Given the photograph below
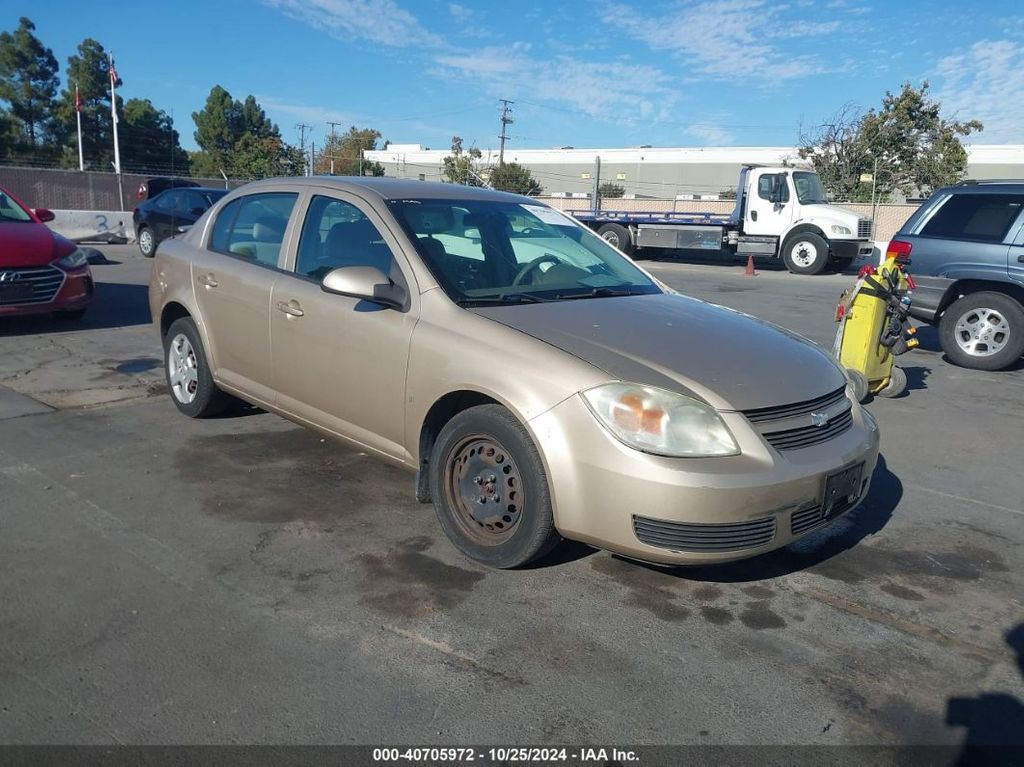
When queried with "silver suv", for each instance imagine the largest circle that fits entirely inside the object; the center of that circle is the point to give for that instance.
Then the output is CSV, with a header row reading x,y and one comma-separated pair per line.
x,y
967,248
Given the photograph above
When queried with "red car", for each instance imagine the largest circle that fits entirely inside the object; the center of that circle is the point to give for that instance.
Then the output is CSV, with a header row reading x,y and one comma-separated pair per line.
x,y
40,271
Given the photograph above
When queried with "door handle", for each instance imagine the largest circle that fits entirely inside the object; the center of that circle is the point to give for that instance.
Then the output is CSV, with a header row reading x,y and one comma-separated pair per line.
x,y
1020,259
207,279
292,308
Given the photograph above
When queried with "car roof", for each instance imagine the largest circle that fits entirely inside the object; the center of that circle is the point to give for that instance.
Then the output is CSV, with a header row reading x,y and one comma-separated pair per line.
x,y
996,186
392,188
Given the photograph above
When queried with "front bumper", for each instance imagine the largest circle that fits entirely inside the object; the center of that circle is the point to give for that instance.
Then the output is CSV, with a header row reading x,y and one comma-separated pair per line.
x,y
605,493
852,248
76,291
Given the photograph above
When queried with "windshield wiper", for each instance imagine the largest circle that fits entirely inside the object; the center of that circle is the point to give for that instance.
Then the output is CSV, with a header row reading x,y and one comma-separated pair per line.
x,y
503,298
601,292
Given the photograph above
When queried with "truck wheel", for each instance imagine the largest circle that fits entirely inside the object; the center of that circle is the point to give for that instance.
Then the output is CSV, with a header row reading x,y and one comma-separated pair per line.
x,y
805,253
983,331
617,236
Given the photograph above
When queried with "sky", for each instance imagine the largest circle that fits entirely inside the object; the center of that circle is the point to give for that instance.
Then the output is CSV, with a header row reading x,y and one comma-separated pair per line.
x,y
599,73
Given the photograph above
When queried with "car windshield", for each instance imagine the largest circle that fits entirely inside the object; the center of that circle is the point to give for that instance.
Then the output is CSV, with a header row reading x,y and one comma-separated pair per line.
x,y
808,188
484,251
12,211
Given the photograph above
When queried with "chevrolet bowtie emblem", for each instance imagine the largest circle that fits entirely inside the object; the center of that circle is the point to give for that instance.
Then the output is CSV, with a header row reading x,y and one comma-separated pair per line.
x,y
819,419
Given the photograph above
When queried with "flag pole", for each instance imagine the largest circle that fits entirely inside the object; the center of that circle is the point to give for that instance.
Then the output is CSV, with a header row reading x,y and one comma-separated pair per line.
x,y
78,115
113,114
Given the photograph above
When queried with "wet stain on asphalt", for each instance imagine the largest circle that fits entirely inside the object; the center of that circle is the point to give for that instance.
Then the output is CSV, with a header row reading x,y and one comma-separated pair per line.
x,y
716,615
647,588
286,476
902,592
707,593
758,592
964,563
138,365
408,583
758,615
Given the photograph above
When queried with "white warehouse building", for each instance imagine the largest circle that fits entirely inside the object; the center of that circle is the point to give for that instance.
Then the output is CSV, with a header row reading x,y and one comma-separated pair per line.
x,y
654,172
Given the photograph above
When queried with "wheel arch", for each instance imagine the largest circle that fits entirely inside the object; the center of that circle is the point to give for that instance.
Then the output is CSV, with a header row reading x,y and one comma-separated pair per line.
x,y
440,413
966,287
172,312
803,228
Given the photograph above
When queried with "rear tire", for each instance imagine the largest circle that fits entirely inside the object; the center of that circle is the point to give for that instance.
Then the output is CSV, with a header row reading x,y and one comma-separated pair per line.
x,y
805,253
617,236
983,331
187,372
147,242
490,490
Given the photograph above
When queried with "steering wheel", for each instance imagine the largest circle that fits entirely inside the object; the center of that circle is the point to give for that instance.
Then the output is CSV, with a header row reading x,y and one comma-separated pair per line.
x,y
532,265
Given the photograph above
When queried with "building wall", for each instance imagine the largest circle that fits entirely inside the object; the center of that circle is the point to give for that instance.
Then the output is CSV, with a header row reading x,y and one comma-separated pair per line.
x,y
655,171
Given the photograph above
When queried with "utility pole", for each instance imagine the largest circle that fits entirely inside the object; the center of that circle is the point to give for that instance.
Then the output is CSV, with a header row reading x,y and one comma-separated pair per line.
x,y
302,128
596,195
333,144
506,119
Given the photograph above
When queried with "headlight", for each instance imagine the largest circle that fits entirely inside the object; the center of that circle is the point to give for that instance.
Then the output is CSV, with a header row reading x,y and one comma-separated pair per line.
x,y
660,422
836,229
76,259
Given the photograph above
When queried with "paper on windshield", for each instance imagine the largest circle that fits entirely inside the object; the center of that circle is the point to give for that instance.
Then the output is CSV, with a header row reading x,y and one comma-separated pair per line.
x,y
547,215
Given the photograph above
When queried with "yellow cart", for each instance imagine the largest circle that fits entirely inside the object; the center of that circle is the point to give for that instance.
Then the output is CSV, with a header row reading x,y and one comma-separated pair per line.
x,y
874,329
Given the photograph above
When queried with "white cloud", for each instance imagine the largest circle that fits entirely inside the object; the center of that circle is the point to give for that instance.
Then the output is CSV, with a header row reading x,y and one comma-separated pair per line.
x,y
611,90
710,134
460,12
317,116
727,39
984,83
377,21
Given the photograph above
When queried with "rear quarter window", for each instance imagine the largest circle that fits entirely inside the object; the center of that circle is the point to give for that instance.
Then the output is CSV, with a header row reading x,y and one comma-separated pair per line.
x,y
979,217
252,227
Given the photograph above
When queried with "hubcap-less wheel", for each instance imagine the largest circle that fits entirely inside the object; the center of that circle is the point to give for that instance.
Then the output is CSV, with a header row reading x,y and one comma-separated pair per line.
x,y
484,487
612,238
804,254
982,332
182,370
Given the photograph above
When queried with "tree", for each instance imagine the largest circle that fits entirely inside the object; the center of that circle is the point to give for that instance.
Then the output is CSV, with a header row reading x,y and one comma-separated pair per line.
x,y
149,143
8,134
219,126
255,157
254,120
610,190
28,80
348,153
914,149
90,71
459,166
513,177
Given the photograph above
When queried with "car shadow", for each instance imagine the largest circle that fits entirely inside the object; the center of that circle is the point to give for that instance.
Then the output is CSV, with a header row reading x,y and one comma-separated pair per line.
x,y
994,720
867,519
116,305
707,257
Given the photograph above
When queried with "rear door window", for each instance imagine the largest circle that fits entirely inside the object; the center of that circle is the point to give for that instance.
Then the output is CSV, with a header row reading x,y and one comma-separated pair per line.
x,y
252,227
979,217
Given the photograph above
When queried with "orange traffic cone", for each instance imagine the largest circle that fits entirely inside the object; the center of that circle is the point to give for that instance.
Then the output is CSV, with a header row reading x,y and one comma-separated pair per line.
x,y
750,267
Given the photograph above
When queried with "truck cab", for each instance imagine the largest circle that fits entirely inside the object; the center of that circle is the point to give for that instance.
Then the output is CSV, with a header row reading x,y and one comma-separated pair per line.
x,y
784,211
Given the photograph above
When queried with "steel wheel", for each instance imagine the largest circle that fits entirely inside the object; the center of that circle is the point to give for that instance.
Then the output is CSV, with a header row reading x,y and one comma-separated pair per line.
x,y
182,369
804,254
982,332
483,485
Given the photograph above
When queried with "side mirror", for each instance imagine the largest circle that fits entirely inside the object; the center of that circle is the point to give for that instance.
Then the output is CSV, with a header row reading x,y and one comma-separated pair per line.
x,y
364,282
184,228
44,214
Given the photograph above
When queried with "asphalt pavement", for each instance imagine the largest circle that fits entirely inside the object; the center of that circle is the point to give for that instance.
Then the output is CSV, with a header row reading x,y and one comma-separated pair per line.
x,y
242,580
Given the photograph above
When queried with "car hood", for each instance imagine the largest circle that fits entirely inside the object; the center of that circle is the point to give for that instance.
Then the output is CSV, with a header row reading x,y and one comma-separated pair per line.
x,y
30,244
730,360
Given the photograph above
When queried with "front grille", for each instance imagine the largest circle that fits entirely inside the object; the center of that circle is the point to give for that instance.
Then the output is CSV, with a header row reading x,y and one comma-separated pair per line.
x,y
777,413
689,536
865,228
808,519
805,436
45,282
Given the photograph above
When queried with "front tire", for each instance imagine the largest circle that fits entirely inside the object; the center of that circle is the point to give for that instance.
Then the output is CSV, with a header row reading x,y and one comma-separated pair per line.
x,y
805,253
187,372
490,489
147,242
983,331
